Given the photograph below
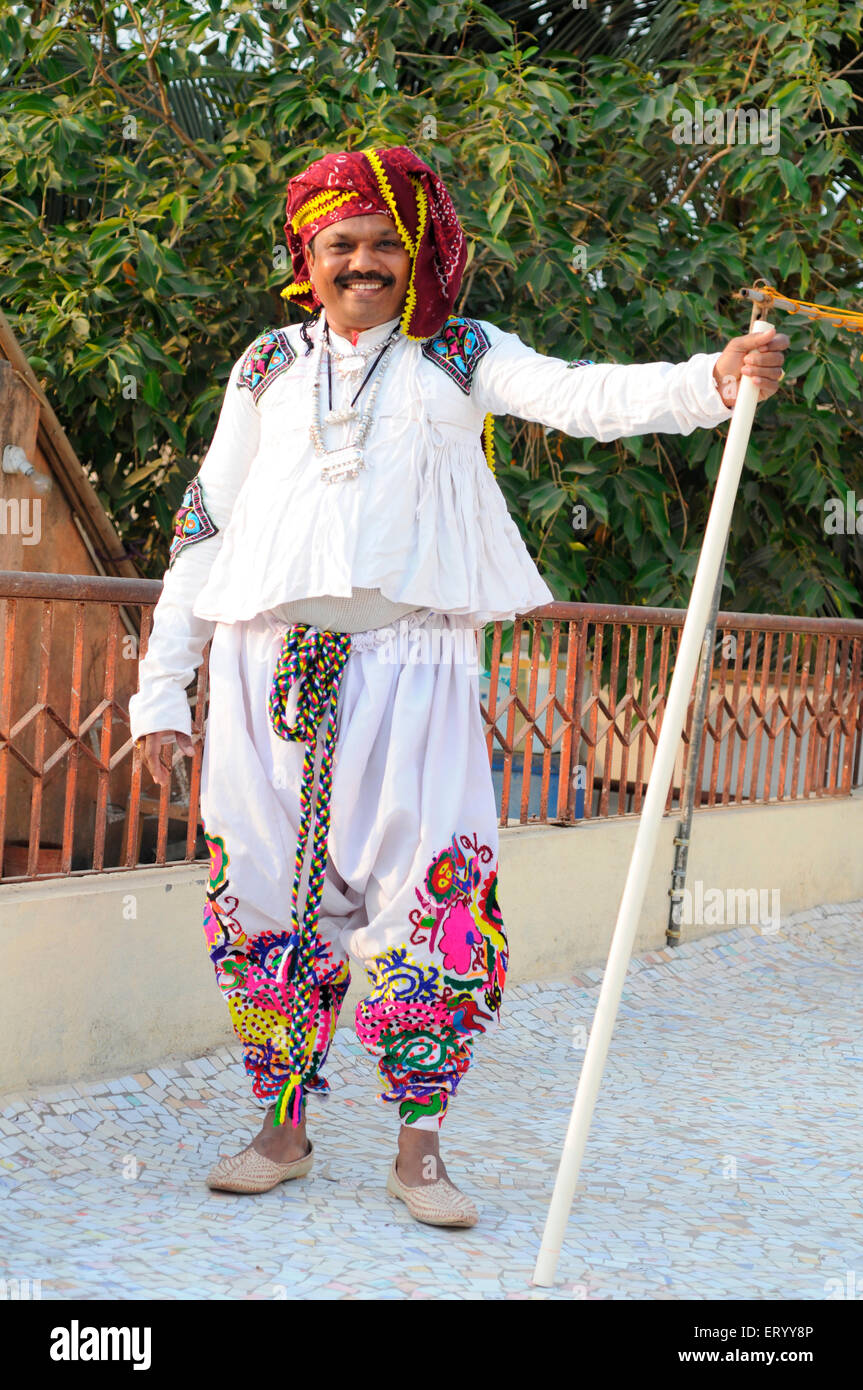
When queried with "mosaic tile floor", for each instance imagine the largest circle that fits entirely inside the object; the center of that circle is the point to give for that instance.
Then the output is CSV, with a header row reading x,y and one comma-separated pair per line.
x,y
723,1161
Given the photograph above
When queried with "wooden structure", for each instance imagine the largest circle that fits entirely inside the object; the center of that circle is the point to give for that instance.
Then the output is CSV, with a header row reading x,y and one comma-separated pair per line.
x,y
62,530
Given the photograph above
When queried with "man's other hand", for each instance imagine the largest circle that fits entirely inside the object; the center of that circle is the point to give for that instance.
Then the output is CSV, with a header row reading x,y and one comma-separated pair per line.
x,y
151,752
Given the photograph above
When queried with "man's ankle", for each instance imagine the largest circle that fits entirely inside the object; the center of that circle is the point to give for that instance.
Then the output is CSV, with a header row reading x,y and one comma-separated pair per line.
x,y
412,1135
282,1136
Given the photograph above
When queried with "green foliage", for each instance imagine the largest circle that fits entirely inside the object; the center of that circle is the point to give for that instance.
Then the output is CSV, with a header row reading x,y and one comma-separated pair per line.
x,y
146,150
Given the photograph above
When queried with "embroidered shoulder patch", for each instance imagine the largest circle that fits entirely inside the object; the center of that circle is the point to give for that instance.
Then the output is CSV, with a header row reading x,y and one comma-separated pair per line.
x,y
192,522
459,346
269,356
582,362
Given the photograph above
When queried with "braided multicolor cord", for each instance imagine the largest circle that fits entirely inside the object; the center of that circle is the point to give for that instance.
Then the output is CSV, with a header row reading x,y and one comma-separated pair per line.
x,y
316,664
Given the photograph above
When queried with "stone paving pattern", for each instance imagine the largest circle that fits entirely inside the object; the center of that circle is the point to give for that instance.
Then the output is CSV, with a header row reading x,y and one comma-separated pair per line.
x,y
723,1161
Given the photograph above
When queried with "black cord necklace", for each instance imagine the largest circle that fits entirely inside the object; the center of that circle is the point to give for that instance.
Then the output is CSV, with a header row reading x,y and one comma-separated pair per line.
x,y
368,374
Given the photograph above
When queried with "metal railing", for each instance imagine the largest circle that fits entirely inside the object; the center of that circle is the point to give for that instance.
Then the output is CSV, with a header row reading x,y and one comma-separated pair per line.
x,y
784,718
573,701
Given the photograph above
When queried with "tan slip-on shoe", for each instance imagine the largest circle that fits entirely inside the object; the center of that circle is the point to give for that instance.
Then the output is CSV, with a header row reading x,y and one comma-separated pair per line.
x,y
435,1203
250,1171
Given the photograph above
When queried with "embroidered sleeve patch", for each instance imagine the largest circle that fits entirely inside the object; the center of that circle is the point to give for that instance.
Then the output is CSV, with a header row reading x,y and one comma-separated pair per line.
x,y
458,348
192,522
269,356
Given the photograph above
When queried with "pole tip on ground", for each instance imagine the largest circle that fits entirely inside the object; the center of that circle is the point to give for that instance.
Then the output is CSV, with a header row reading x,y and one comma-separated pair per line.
x,y
546,1265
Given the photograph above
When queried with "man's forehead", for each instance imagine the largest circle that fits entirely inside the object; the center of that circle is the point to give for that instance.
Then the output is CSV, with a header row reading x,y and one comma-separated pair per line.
x,y
368,224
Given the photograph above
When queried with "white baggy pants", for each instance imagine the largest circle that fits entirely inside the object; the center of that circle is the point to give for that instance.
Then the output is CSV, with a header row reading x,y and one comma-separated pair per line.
x,y
409,866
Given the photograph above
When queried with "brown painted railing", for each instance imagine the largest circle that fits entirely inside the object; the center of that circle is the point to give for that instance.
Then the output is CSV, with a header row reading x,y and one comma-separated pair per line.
x,y
784,718
571,725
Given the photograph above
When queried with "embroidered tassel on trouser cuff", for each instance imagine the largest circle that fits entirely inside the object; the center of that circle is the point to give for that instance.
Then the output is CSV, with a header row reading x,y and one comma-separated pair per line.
x,y
289,1106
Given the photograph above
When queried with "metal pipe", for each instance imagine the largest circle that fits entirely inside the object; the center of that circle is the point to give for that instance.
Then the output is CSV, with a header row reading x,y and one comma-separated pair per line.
x,y
696,737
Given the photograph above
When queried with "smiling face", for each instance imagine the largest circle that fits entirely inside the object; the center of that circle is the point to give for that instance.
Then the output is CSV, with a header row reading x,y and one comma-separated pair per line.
x,y
360,270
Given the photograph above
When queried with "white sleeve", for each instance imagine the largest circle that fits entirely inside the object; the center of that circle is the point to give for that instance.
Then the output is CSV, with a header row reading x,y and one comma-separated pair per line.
x,y
178,638
596,400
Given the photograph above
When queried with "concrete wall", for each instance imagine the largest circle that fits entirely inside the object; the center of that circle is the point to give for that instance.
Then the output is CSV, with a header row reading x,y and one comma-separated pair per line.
x,y
108,974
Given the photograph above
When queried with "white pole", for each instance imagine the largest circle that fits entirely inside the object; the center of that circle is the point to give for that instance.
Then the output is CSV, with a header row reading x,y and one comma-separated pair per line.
x,y
718,524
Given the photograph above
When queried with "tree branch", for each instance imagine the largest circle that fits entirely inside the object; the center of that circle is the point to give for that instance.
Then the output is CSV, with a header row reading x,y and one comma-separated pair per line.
x,y
155,79
684,197
169,121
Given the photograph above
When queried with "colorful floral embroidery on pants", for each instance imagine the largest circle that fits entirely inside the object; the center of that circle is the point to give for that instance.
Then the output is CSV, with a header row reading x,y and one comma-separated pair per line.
x,y
421,1019
252,975
422,1015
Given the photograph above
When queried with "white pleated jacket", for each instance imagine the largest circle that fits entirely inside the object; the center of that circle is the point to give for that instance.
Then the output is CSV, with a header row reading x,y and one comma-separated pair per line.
x,y
425,521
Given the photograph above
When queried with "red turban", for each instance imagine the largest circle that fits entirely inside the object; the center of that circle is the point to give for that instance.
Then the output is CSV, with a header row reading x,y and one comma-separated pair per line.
x,y
397,183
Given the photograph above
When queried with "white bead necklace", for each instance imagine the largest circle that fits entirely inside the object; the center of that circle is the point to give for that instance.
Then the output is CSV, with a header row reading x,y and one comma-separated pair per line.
x,y
350,363
346,461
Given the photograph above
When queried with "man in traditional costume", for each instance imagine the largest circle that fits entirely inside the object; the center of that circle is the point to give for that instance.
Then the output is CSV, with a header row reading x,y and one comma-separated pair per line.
x,y
341,543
